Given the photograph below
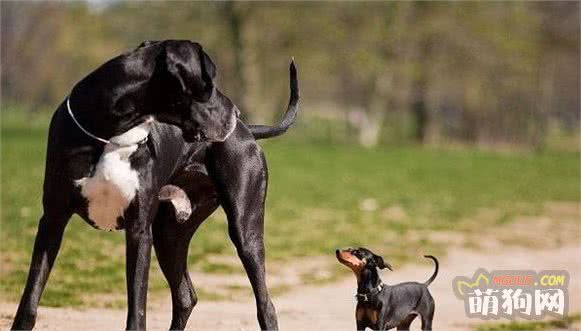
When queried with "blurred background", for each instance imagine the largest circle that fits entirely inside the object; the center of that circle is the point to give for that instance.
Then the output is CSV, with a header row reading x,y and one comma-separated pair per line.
x,y
372,73
423,126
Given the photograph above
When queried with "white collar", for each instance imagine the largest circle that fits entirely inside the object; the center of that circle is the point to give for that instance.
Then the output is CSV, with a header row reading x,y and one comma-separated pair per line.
x,y
105,141
119,140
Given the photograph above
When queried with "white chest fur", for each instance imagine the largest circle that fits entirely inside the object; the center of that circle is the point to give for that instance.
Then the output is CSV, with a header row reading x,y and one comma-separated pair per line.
x,y
114,183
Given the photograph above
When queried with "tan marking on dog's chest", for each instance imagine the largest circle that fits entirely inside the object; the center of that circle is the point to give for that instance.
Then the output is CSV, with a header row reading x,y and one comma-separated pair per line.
x,y
369,313
359,313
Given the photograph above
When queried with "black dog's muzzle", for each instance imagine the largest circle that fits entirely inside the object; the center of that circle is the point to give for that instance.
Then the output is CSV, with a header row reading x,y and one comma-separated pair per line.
x,y
191,132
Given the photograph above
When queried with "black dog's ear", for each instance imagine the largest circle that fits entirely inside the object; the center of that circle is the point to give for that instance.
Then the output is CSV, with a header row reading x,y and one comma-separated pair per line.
x,y
147,43
173,68
190,67
381,264
208,66
208,73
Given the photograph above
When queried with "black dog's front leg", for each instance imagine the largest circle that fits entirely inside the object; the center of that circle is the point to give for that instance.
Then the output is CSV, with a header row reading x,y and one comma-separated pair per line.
x,y
139,239
46,246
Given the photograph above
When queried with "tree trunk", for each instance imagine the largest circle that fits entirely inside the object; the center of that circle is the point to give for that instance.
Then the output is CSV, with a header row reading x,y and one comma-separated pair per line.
x,y
420,92
235,21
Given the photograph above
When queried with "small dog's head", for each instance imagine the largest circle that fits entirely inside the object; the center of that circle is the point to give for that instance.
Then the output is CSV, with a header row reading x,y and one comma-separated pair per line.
x,y
360,259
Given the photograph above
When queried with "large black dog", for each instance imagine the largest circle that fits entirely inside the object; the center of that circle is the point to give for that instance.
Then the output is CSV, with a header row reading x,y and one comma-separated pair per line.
x,y
142,120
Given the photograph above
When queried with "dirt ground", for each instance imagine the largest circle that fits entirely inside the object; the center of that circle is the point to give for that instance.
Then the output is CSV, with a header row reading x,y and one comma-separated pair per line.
x,y
330,306
551,241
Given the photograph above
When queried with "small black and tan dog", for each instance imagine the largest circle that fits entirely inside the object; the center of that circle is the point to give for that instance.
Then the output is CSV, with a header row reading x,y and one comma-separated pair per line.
x,y
383,307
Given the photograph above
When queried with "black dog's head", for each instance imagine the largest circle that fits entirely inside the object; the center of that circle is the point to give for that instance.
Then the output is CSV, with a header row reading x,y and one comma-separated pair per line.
x,y
184,91
361,260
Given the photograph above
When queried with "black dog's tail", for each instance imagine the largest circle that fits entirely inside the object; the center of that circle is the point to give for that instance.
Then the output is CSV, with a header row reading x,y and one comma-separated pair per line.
x,y
429,281
266,131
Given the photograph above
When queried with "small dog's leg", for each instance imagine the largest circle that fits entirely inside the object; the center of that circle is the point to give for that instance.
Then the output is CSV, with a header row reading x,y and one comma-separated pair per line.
x,y
405,324
426,311
427,322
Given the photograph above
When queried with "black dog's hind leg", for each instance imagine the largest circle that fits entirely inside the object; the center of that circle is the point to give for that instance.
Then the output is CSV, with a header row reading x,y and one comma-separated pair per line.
x,y
239,169
46,246
171,240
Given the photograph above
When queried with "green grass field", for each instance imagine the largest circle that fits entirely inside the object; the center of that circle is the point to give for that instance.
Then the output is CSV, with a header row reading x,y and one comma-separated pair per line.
x,y
320,197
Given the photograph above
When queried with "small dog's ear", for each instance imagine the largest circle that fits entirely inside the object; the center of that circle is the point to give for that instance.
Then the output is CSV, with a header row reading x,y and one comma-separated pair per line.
x,y
381,264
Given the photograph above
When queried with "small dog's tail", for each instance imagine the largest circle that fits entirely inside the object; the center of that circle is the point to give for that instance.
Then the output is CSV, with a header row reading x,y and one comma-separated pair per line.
x,y
429,281
267,131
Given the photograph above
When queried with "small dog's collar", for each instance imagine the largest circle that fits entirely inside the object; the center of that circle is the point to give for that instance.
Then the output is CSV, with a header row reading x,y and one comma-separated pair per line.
x,y
366,296
85,131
